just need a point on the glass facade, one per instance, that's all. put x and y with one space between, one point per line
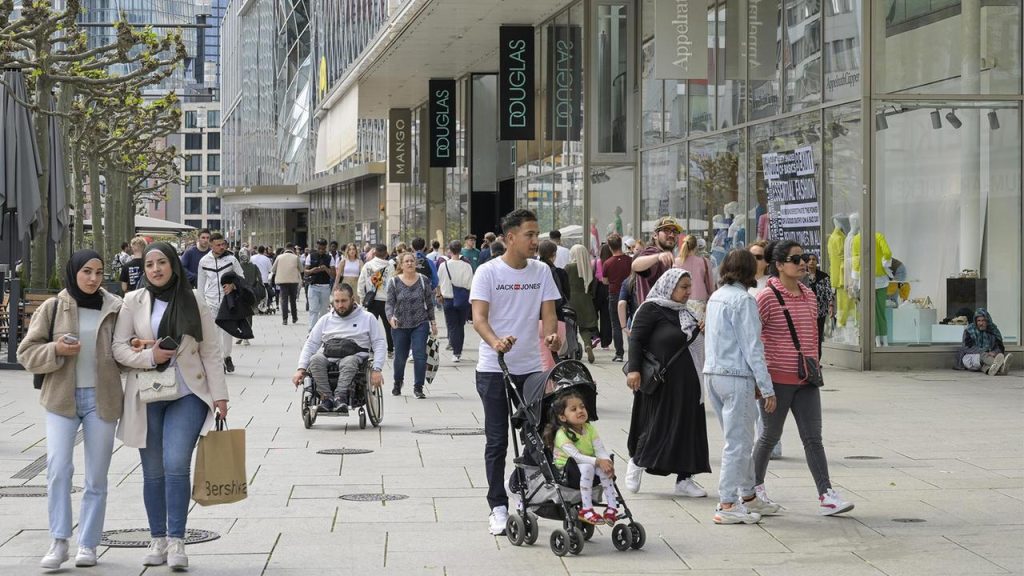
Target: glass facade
349 211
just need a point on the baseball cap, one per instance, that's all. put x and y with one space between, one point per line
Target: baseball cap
668 222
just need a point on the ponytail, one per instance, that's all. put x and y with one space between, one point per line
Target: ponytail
688 247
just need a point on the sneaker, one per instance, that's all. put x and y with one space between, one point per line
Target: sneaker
498 519
246 343
617 358
456 358
326 405
688 487
157 553
176 557
1006 365
340 406
832 503
590 354
762 494
738 514
86 557
611 516
590 517
419 394
295 319
997 365
229 366
284 322
239 341
448 347
397 390
634 474
762 507
56 555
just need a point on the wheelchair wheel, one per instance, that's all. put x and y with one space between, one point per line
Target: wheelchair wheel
307 419
362 419
374 403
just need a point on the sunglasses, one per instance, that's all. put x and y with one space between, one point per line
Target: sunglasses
796 258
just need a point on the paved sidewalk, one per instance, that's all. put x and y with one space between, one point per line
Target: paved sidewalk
944 450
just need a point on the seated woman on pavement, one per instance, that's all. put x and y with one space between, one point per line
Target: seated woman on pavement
345 335
982 347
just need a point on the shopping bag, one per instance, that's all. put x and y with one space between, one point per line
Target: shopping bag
220 467
433 358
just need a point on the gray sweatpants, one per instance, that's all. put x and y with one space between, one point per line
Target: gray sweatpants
348 367
805 403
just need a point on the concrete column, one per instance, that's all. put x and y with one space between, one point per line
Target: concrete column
392 211
437 214
970 134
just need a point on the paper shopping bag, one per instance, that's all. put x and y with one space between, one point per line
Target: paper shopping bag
220 467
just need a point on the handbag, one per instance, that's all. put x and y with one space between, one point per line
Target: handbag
37 379
652 373
158 386
807 368
460 296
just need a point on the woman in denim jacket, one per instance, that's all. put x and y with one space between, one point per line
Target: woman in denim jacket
735 372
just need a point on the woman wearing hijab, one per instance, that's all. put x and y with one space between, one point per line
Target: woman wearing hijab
582 289
982 349
667 432
81 389
165 432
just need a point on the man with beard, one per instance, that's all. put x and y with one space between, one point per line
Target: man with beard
209 283
654 260
346 320
190 260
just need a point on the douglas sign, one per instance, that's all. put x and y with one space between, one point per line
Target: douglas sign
516 83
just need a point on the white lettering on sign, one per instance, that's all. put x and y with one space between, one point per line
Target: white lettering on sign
442 120
517 84
564 81
681 22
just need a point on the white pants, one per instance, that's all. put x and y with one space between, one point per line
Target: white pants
587 472
226 340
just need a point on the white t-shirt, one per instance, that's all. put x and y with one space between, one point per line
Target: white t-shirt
562 257
515 298
263 264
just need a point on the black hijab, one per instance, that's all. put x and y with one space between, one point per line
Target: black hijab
182 315
78 261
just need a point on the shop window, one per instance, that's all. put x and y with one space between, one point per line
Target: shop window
194 141
193 162
611 203
716 203
663 187
193 205
653 93
613 85
948 208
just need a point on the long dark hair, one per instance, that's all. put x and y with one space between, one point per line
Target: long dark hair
557 409
777 251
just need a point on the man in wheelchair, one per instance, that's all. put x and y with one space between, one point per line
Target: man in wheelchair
345 336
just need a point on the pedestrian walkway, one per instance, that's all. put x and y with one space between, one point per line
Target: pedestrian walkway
934 462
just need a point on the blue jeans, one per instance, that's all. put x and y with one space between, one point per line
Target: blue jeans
172 429
60 449
319 297
491 388
415 338
455 319
733 400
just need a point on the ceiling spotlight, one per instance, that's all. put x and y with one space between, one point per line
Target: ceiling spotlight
952 119
936 120
880 122
993 120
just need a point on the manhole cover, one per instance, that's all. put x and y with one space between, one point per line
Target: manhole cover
451 431
909 520
139 537
337 451
373 497
28 491
863 458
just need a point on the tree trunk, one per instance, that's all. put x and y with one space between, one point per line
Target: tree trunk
97 207
79 200
39 274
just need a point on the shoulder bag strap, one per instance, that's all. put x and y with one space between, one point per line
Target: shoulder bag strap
53 317
789 319
678 353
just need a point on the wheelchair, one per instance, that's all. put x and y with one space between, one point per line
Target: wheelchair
367 400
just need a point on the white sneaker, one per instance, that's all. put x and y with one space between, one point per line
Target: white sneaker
498 519
634 474
56 555
176 557
688 487
1005 369
762 507
456 359
997 365
762 494
157 553
86 557
832 503
738 514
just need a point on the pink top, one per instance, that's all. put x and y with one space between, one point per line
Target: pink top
700 274
779 352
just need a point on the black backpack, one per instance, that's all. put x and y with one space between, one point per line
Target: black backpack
423 266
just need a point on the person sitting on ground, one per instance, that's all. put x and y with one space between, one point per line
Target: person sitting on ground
346 321
982 349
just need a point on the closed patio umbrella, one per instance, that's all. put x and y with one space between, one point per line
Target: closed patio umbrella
57 180
21 169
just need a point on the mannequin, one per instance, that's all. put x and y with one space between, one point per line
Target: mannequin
718 250
730 216
836 262
737 233
883 261
618 220
628 239
595 237
762 227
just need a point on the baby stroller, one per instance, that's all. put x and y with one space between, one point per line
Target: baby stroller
545 491
571 348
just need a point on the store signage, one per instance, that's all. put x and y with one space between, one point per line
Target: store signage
793 209
441 109
681 39
400 146
515 90
565 83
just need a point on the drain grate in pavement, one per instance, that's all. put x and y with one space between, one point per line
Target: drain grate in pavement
909 520
376 497
862 458
451 431
140 538
338 451
28 491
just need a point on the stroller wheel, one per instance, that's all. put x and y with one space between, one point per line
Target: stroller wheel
515 529
622 537
531 529
588 531
560 542
639 535
576 542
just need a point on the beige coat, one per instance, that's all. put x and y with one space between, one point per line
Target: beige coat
39 356
287 269
200 362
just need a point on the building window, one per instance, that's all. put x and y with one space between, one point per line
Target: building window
213 205
193 141
191 119
213 141
193 205
193 162
194 223
213 162
213 225
212 181
193 184
213 118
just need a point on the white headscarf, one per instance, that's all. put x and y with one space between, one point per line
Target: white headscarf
579 255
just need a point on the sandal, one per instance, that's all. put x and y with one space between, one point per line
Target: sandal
590 517
611 516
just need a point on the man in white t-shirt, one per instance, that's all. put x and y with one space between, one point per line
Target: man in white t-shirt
263 263
508 295
562 255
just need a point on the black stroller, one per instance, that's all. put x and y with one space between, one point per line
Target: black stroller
545 491
571 349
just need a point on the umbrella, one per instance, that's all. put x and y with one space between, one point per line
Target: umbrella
57 193
19 175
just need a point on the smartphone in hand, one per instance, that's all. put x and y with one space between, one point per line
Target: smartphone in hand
168 343
70 339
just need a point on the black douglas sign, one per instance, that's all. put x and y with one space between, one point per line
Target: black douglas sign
442 123
515 84
564 79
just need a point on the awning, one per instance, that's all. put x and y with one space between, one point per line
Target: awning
148 225
269 197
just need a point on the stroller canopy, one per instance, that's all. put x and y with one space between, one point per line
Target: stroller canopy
541 388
